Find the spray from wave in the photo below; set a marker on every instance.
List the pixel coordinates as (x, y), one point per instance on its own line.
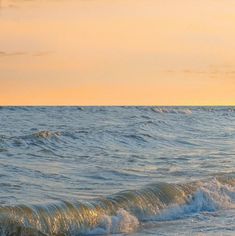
(123, 212)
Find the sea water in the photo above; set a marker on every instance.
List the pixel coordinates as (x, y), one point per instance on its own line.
(117, 170)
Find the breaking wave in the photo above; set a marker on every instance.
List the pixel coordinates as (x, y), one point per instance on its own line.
(123, 212)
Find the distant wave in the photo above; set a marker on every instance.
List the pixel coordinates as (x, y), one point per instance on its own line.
(46, 134)
(123, 212)
(218, 109)
(39, 135)
(190, 110)
(44, 139)
(176, 110)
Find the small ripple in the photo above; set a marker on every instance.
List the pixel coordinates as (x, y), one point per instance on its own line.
(3, 150)
(11, 186)
(135, 137)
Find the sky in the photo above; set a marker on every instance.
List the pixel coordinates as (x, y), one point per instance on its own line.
(119, 52)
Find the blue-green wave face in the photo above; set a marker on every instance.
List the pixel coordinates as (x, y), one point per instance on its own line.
(123, 212)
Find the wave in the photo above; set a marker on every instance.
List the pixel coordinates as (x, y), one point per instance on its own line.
(123, 212)
(229, 109)
(172, 110)
(190, 110)
(45, 140)
(46, 134)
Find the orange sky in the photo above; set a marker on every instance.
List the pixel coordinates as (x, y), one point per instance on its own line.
(120, 52)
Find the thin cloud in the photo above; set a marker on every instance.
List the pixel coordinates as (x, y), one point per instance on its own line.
(8, 54)
(12, 54)
(40, 54)
(227, 71)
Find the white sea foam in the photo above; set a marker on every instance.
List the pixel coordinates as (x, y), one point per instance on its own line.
(122, 222)
(211, 196)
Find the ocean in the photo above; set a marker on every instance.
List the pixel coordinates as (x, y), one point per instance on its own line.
(117, 170)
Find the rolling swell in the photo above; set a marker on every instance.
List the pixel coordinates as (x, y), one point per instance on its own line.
(122, 212)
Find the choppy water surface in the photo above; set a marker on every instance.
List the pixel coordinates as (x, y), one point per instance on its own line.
(105, 170)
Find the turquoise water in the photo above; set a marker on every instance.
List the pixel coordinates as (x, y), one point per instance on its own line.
(124, 170)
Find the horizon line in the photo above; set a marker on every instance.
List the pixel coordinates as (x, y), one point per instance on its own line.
(126, 105)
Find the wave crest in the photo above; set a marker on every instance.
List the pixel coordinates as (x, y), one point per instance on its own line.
(122, 212)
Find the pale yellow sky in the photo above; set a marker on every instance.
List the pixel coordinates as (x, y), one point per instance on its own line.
(120, 52)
